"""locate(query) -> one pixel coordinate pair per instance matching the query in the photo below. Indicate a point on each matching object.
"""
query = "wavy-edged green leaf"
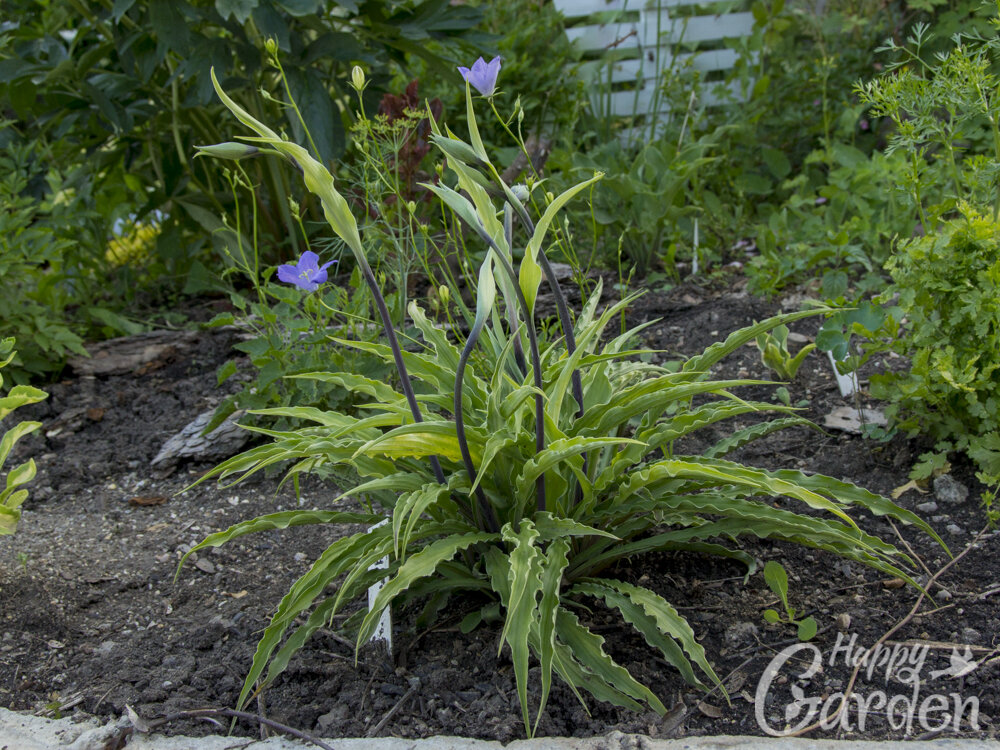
(754, 432)
(704, 361)
(334, 560)
(553, 568)
(555, 527)
(353, 383)
(418, 565)
(424, 439)
(558, 451)
(524, 580)
(645, 623)
(307, 413)
(408, 510)
(654, 394)
(588, 649)
(282, 520)
(723, 473)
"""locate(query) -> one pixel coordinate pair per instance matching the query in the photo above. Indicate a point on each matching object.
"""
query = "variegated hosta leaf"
(587, 648)
(704, 361)
(424, 439)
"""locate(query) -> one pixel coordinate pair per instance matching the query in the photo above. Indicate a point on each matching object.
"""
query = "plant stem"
(562, 308)
(508, 231)
(485, 509)
(397, 355)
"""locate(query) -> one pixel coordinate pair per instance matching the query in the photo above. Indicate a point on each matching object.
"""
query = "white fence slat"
(631, 35)
(582, 8)
(626, 103)
(699, 28)
(632, 70)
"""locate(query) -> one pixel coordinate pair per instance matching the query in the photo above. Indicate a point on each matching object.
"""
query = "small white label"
(383, 631)
(848, 383)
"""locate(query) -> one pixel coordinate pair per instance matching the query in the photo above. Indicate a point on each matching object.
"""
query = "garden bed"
(91, 618)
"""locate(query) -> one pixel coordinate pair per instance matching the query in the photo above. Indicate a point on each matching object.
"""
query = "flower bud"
(520, 192)
(229, 150)
(412, 206)
(444, 294)
(271, 47)
(358, 79)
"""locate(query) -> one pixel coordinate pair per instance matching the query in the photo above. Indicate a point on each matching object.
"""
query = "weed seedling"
(777, 581)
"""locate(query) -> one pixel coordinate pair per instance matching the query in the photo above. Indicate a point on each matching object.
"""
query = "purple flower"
(307, 274)
(483, 76)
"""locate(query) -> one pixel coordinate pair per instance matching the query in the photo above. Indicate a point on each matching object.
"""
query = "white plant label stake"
(848, 384)
(383, 631)
(694, 258)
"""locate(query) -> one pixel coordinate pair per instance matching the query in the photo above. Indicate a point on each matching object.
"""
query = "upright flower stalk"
(320, 182)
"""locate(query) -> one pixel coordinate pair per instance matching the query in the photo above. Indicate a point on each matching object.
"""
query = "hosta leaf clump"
(522, 466)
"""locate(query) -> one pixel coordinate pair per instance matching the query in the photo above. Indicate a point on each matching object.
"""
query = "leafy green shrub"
(13, 495)
(53, 274)
(522, 465)
(948, 287)
(125, 86)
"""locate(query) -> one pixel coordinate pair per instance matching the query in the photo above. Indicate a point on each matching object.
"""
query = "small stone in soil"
(971, 635)
(740, 634)
(955, 529)
(948, 490)
(928, 507)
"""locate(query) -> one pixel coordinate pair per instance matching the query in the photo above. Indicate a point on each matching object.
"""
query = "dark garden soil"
(91, 618)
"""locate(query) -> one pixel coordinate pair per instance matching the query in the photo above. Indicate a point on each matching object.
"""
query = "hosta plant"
(12, 492)
(519, 467)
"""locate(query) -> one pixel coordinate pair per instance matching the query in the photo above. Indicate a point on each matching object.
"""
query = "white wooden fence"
(644, 41)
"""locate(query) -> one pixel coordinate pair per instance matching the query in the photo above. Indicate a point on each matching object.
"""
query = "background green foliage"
(948, 287)
(118, 95)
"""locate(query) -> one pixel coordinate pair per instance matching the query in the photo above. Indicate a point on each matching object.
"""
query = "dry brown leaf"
(144, 500)
(904, 488)
(712, 712)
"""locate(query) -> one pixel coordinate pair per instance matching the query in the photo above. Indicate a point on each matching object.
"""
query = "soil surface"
(91, 618)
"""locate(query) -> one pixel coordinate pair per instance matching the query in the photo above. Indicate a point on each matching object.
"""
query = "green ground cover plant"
(13, 494)
(516, 462)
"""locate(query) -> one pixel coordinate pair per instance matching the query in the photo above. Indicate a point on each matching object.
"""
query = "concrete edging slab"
(27, 732)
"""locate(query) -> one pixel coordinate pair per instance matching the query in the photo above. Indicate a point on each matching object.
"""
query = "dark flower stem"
(508, 232)
(397, 355)
(536, 359)
(486, 510)
(563, 309)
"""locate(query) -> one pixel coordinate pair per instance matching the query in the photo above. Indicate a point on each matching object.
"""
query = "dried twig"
(414, 687)
(849, 690)
(199, 713)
